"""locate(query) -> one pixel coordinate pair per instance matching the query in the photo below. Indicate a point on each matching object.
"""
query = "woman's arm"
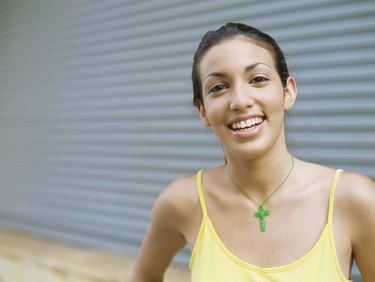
(162, 240)
(362, 218)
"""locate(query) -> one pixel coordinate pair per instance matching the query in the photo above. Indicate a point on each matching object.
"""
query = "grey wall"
(96, 115)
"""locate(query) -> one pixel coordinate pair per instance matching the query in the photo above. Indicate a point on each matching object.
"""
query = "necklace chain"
(261, 211)
(270, 195)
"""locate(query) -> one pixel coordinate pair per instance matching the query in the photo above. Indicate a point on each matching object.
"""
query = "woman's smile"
(247, 127)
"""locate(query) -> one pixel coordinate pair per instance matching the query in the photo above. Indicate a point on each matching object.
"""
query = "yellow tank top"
(211, 261)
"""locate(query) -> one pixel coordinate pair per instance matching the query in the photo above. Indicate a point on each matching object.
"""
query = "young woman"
(263, 215)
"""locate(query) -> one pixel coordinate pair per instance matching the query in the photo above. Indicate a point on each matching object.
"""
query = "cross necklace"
(261, 213)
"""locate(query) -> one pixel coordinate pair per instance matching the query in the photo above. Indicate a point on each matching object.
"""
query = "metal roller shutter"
(96, 115)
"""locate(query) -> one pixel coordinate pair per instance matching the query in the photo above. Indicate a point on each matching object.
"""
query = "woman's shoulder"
(354, 197)
(180, 190)
(355, 207)
(178, 199)
(355, 203)
(355, 192)
(183, 192)
(348, 181)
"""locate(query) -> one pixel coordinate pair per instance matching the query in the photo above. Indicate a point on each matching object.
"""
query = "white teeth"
(246, 123)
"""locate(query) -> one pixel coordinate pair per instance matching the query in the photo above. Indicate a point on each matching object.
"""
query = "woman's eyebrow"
(253, 66)
(218, 74)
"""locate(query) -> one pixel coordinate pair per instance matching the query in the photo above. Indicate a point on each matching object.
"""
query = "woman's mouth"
(246, 125)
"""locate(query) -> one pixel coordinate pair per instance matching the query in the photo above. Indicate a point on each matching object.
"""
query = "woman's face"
(244, 100)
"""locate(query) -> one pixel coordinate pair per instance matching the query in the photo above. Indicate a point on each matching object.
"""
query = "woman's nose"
(241, 99)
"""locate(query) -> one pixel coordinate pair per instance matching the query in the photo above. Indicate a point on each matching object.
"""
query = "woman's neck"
(259, 176)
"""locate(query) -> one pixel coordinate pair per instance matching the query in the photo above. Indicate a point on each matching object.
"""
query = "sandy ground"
(27, 256)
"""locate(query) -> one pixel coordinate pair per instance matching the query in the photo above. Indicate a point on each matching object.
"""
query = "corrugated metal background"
(95, 104)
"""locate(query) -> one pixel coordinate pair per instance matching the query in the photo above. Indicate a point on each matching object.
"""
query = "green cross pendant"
(262, 213)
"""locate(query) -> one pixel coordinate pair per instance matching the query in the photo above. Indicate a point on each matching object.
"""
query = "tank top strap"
(200, 192)
(332, 195)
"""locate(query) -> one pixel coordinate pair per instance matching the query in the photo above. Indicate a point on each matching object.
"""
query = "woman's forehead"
(235, 51)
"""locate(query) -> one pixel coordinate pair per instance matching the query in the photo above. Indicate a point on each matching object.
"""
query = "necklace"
(261, 213)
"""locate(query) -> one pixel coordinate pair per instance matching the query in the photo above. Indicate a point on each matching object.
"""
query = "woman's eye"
(259, 79)
(216, 88)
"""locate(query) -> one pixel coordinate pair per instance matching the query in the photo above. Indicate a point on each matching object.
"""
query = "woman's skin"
(240, 83)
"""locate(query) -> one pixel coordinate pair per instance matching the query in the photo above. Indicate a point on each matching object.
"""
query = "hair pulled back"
(214, 37)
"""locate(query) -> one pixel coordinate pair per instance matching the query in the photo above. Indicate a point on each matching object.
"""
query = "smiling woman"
(263, 215)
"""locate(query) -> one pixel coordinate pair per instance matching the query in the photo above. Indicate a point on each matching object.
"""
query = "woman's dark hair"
(213, 37)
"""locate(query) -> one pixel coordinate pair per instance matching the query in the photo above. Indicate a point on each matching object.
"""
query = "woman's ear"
(202, 114)
(290, 93)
